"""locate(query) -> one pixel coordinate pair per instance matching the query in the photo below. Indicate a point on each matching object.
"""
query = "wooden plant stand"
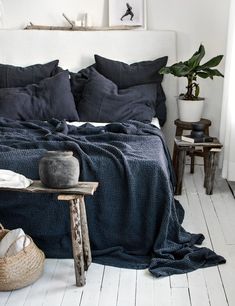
(209, 151)
(79, 229)
(180, 127)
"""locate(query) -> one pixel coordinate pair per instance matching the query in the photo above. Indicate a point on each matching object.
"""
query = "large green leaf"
(212, 63)
(195, 60)
(212, 72)
(218, 73)
(203, 75)
(165, 70)
(179, 70)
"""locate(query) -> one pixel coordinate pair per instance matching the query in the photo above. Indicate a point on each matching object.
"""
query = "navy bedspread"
(133, 219)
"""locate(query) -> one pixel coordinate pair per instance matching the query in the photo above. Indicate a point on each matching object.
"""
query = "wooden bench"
(79, 229)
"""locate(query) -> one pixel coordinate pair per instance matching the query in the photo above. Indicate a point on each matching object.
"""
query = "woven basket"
(22, 269)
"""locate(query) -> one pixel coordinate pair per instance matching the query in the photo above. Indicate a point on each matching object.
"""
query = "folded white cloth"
(11, 179)
(13, 242)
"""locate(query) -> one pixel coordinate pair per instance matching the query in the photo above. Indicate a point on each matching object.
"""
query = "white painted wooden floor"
(214, 216)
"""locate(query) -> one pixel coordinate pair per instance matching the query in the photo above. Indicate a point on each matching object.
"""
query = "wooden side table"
(79, 229)
(180, 127)
(210, 152)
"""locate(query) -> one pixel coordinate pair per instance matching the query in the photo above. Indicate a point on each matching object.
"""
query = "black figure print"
(128, 12)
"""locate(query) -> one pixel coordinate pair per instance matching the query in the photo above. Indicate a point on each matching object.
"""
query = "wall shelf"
(74, 28)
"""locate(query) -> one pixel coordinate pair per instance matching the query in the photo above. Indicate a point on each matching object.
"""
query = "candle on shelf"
(84, 20)
(88, 20)
(78, 23)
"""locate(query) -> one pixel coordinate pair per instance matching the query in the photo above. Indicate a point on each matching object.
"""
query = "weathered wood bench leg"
(77, 243)
(85, 235)
(210, 175)
(180, 170)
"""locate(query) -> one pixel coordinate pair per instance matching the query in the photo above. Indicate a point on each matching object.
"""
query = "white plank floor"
(214, 216)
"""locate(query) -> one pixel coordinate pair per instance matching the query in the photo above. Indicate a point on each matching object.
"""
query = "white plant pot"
(190, 110)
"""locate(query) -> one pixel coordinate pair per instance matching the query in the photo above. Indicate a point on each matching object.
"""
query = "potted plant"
(190, 104)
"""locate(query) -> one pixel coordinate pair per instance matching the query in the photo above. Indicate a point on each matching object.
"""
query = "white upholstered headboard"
(76, 50)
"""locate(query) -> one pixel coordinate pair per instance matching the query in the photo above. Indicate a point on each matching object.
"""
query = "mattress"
(155, 122)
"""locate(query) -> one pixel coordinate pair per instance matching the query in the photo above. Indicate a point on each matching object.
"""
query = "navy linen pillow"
(78, 81)
(51, 98)
(102, 101)
(124, 75)
(160, 105)
(146, 72)
(13, 76)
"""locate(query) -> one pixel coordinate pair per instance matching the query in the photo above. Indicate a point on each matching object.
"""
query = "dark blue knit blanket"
(134, 221)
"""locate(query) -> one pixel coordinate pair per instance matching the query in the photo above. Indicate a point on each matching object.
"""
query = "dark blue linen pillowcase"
(124, 75)
(102, 101)
(145, 72)
(14, 76)
(78, 81)
(160, 105)
(51, 98)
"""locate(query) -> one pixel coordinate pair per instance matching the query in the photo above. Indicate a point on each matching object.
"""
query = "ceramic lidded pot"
(58, 169)
(198, 129)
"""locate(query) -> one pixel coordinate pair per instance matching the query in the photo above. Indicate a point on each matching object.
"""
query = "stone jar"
(59, 169)
(198, 129)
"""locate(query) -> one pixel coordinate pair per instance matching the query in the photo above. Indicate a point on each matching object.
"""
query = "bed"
(134, 220)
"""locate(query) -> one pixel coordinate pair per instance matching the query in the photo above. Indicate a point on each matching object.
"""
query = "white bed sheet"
(155, 122)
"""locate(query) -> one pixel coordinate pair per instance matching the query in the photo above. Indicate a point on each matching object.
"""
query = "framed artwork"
(127, 13)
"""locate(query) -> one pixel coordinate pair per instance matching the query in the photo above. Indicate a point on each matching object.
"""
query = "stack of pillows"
(107, 91)
(37, 92)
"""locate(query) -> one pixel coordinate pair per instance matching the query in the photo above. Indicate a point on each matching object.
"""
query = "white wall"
(195, 21)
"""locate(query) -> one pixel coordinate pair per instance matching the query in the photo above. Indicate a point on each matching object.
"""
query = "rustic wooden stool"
(79, 228)
(210, 153)
(180, 127)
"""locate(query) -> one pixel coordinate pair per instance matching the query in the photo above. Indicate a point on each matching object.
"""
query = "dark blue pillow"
(78, 81)
(51, 98)
(124, 75)
(102, 101)
(146, 72)
(13, 76)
